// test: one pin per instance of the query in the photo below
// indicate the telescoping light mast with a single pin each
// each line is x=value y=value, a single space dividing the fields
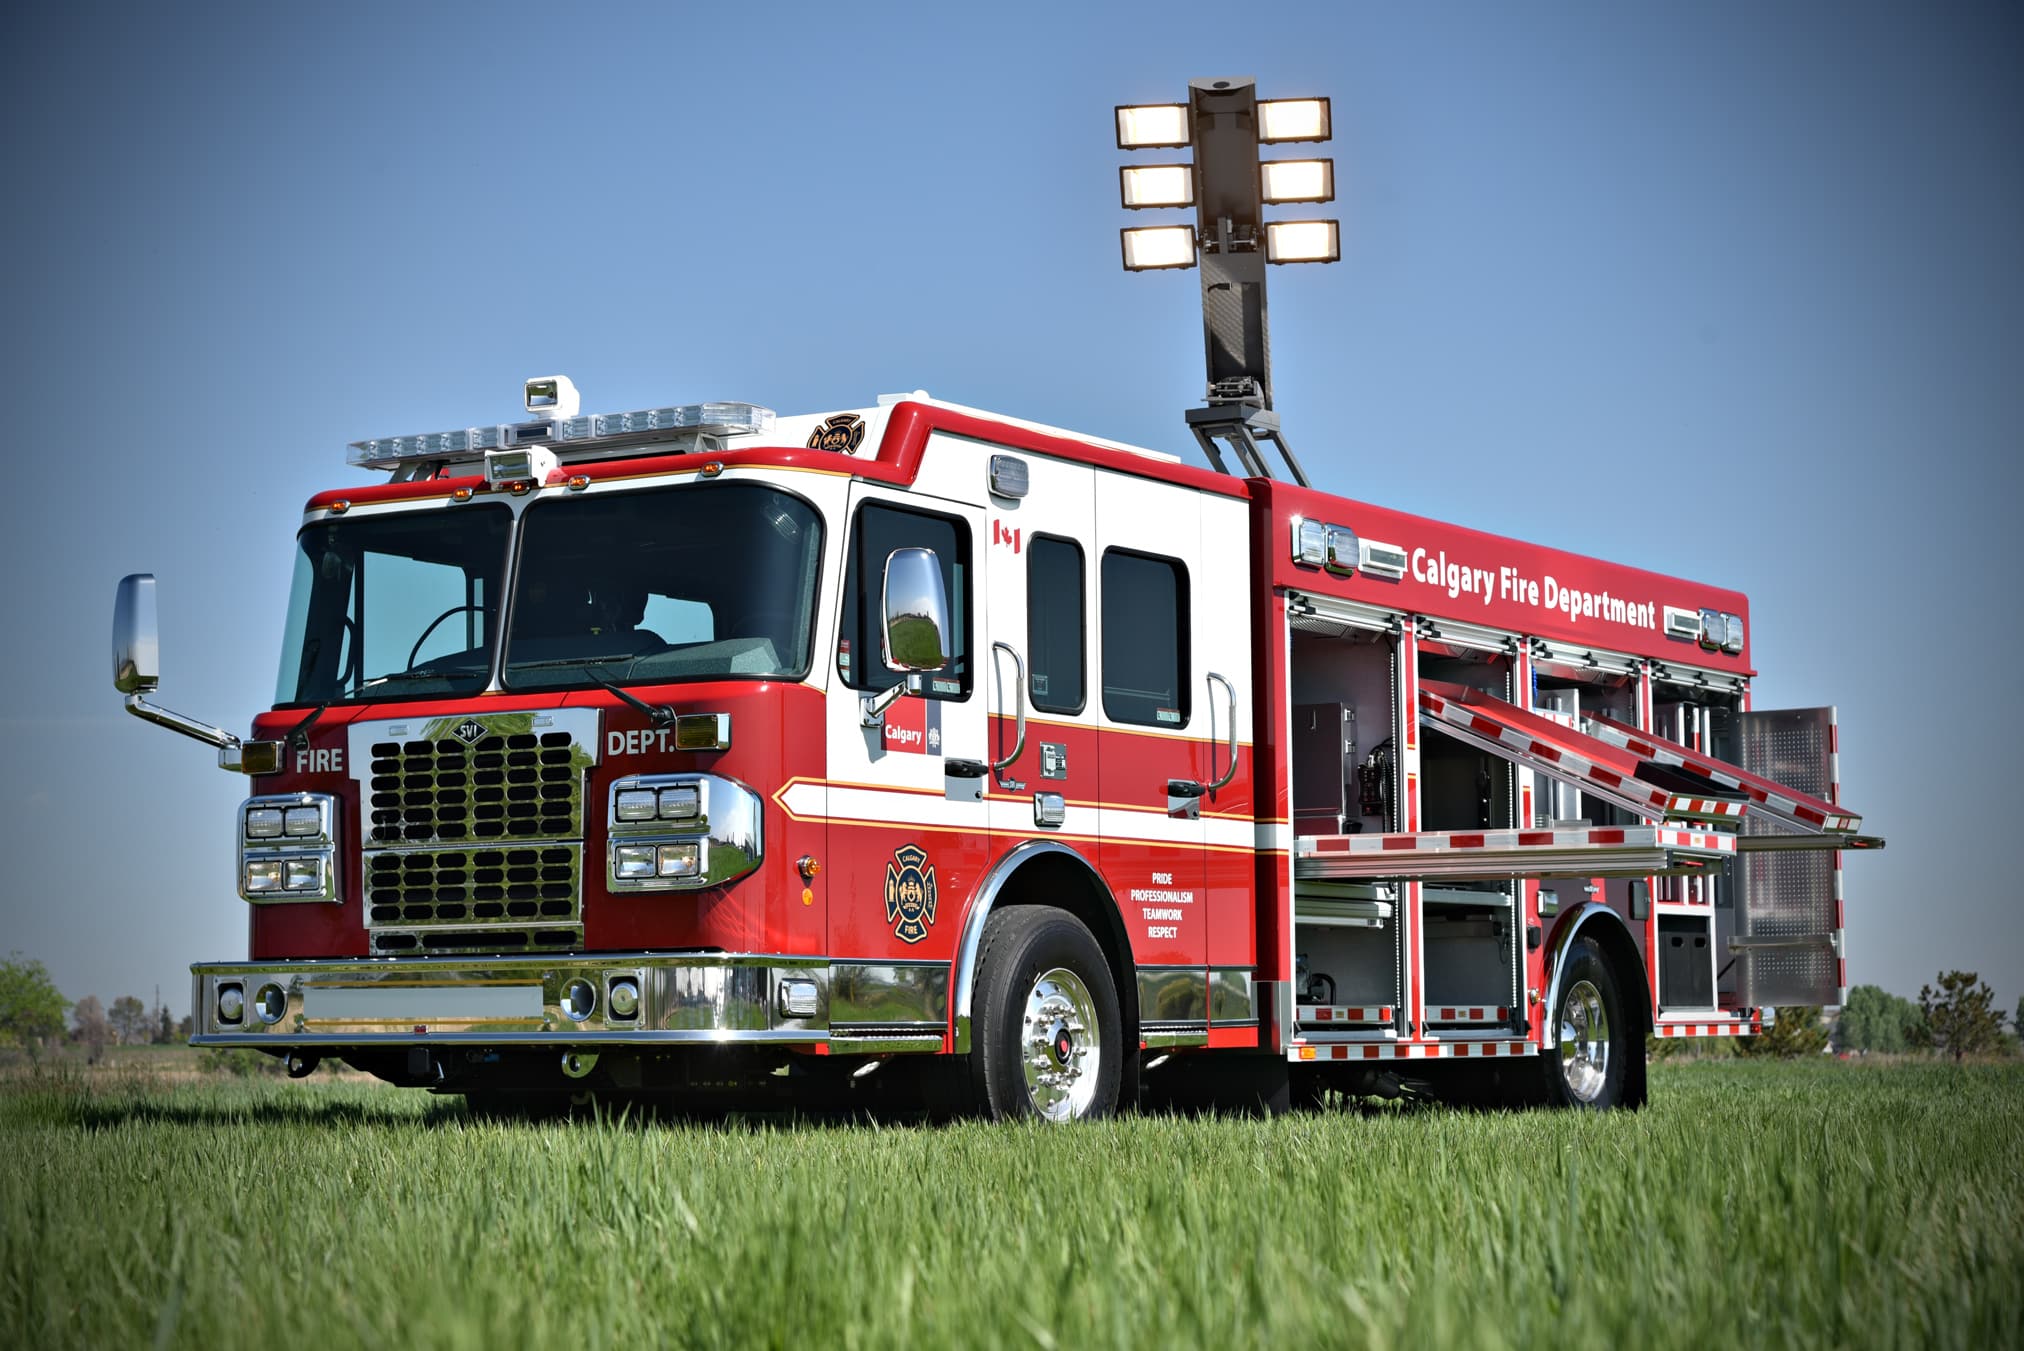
x=1223 y=124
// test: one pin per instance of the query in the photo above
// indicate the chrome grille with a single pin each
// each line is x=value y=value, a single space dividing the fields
x=474 y=827
x=495 y=939
x=510 y=785
x=520 y=885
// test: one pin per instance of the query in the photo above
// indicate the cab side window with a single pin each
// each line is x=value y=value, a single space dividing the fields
x=1145 y=639
x=1054 y=631
x=881 y=528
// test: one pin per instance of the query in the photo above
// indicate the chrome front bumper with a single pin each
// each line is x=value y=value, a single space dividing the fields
x=696 y=998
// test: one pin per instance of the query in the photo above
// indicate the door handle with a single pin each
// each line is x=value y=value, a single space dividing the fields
x=998 y=767
x=1230 y=697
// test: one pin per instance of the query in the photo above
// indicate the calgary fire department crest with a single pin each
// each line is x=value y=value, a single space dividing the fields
x=910 y=894
x=842 y=432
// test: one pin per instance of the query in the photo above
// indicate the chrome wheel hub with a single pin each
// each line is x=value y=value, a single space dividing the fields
x=1060 y=1045
x=1584 y=1041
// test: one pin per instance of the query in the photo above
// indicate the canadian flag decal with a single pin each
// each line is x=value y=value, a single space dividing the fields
x=1002 y=534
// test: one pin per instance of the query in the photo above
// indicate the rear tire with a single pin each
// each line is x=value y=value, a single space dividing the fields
x=1591 y=1064
x=1047 y=1039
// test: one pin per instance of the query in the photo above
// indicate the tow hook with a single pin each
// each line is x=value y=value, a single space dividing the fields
x=576 y=1064
x=301 y=1065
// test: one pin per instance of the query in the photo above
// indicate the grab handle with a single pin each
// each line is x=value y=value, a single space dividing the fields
x=1230 y=697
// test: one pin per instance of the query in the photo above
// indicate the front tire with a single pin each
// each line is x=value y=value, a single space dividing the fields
x=1590 y=1066
x=1047 y=1039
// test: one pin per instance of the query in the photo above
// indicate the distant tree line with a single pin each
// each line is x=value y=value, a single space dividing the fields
x=1956 y=1019
x=32 y=1014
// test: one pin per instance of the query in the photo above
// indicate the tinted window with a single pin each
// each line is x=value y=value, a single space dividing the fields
x=1054 y=623
x=880 y=530
x=394 y=607
x=1145 y=639
x=696 y=582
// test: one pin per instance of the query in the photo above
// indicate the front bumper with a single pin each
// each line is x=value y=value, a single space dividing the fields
x=696 y=998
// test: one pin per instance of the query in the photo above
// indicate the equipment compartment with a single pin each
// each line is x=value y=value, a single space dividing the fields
x=1686 y=963
x=1346 y=974
x=1469 y=958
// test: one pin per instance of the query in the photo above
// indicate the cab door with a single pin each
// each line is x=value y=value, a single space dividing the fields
x=1153 y=707
x=904 y=848
x=1043 y=752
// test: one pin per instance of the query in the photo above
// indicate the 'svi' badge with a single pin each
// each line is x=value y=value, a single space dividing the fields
x=470 y=731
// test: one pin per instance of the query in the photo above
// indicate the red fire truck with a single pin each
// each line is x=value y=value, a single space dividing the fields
x=697 y=748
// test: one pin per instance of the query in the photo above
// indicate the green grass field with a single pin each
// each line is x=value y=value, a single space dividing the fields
x=1751 y=1205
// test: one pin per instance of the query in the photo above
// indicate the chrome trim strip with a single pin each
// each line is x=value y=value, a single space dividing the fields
x=1231 y=998
x=708 y=997
x=1571 y=924
x=887 y=993
x=578 y=1037
x=886 y=1044
x=1174 y=1036
x=1173 y=995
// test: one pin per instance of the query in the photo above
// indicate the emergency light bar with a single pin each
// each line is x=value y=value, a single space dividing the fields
x=590 y=432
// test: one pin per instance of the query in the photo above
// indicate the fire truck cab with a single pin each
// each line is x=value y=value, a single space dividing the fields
x=697 y=748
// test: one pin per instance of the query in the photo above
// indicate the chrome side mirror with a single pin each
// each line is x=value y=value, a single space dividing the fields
x=913 y=630
x=914 y=625
x=136 y=646
x=137 y=671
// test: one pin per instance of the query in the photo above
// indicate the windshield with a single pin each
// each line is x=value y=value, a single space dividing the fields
x=387 y=607
x=696 y=582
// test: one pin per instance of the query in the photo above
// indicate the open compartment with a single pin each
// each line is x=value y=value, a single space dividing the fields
x=1346 y=956
x=1471 y=958
x=1344 y=757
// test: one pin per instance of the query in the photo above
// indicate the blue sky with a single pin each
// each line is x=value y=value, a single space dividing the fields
x=1732 y=291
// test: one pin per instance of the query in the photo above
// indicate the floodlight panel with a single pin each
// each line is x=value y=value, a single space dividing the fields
x=1297 y=180
x=1147 y=185
x=1303 y=241
x=1293 y=120
x=1149 y=126
x=1155 y=246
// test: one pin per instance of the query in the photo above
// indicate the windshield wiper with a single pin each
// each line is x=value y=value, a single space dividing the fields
x=583 y=663
x=421 y=673
x=661 y=714
x=298 y=735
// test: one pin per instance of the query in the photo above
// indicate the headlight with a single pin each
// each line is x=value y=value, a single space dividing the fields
x=681 y=832
x=288 y=848
x=634 y=860
x=682 y=859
